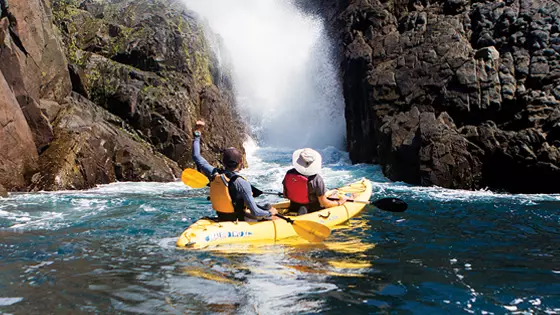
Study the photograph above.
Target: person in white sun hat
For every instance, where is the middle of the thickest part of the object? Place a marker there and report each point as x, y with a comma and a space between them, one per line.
304, 186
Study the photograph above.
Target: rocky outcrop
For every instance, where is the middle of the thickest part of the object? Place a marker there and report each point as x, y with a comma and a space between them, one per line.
93, 147
41, 41
17, 150
33, 63
141, 73
459, 94
149, 63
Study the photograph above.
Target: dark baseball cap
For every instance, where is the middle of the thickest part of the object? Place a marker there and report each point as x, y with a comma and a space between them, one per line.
232, 157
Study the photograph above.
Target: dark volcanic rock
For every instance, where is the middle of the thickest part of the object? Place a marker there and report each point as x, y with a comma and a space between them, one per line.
489, 71
430, 151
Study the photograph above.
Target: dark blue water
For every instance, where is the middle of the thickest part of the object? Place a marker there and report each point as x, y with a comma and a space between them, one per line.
111, 250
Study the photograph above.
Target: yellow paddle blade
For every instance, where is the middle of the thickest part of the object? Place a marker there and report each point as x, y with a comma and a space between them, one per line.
313, 232
193, 178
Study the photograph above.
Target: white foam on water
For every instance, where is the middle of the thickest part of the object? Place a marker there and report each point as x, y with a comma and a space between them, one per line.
535, 302
124, 188
43, 220
148, 208
54, 210
17, 216
168, 242
444, 194
40, 265
510, 308
6, 301
516, 301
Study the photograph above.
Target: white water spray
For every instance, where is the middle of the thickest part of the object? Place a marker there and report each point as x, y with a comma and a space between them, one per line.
287, 86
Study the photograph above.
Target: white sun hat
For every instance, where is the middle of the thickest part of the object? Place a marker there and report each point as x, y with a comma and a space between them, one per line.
307, 161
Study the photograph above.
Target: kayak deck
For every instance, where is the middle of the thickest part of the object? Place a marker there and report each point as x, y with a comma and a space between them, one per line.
207, 232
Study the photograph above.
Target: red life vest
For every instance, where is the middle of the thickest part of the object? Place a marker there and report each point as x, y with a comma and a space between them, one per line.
296, 188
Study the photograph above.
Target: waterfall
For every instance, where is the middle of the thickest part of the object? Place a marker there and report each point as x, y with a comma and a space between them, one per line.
286, 84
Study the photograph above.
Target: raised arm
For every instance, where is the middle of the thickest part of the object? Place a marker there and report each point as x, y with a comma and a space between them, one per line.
200, 162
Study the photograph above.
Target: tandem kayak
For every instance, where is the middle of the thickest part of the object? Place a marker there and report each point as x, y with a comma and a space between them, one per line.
207, 232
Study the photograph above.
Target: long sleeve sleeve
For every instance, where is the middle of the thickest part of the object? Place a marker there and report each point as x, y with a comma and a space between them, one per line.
244, 188
201, 162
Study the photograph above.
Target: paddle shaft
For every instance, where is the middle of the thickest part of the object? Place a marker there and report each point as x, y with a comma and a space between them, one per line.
385, 204
352, 200
284, 218
279, 194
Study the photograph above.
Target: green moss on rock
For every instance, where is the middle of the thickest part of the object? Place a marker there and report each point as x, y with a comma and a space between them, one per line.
149, 63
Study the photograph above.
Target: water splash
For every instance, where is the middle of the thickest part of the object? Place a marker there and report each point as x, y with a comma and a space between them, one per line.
287, 86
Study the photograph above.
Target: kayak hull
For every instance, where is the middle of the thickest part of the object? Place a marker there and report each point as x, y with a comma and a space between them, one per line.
206, 232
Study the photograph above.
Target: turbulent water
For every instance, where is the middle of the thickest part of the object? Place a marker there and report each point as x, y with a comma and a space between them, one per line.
111, 250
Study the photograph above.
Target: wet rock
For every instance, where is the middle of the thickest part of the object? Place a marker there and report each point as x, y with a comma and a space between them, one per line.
79, 79
33, 65
38, 122
93, 147
17, 149
432, 152
50, 109
40, 39
3, 192
488, 70
455, 6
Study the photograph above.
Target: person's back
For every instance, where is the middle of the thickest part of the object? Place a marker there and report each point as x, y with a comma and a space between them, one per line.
303, 191
304, 186
230, 193
225, 197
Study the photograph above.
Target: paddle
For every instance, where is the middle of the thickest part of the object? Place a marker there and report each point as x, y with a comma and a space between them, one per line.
257, 192
194, 178
311, 231
385, 204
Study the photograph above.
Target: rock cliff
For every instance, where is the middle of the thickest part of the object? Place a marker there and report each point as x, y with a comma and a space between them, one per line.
108, 92
453, 93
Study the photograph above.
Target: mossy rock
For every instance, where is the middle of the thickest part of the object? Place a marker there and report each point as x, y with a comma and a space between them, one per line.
149, 63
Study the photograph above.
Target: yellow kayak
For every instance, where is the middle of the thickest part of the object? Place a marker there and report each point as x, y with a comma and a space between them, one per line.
206, 232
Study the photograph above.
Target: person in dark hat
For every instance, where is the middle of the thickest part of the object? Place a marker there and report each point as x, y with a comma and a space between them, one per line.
304, 186
230, 193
